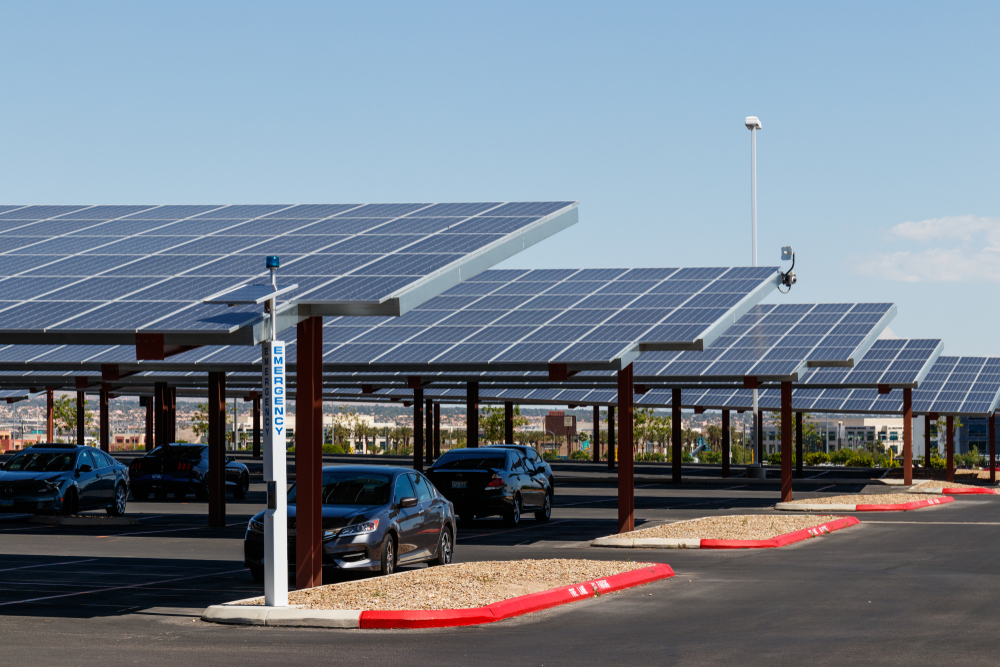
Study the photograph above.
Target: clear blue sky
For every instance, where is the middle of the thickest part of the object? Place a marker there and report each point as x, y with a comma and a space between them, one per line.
878, 159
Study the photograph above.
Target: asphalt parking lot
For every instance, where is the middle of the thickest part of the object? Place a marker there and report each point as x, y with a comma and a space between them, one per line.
901, 588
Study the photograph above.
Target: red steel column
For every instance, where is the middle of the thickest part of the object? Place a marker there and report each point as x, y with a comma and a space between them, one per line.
950, 463
726, 443
160, 413
798, 444
105, 420
786, 442
508, 423
596, 444
81, 417
612, 453
991, 431
437, 431
50, 431
626, 483
171, 396
675, 432
309, 454
216, 447
149, 423
429, 449
907, 437
927, 441
472, 414
418, 429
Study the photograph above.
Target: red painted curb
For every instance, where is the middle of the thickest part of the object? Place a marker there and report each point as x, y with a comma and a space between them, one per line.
903, 507
524, 604
969, 492
782, 540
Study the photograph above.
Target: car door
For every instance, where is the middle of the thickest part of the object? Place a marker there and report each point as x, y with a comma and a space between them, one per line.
86, 480
523, 480
407, 518
104, 478
430, 514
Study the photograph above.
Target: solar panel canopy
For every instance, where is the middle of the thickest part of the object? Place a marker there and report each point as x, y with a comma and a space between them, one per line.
98, 274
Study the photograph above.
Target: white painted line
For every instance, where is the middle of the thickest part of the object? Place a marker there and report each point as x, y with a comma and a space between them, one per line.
68, 562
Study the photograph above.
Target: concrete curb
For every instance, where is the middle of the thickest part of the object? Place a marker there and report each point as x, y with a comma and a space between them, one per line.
958, 492
693, 543
91, 521
897, 507
236, 613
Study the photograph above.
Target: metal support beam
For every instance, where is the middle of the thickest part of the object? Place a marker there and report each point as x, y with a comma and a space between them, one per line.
472, 415
105, 421
418, 428
612, 448
726, 443
949, 465
216, 447
81, 418
309, 455
508, 423
149, 423
799, 416
760, 437
50, 431
927, 441
907, 437
437, 431
429, 449
171, 397
675, 436
786, 442
160, 413
626, 482
256, 427
595, 446
991, 433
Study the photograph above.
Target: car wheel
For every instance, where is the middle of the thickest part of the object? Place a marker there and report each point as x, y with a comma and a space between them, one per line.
140, 494
121, 499
201, 493
179, 494
240, 492
546, 512
388, 565
513, 515
444, 548
257, 572
71, 502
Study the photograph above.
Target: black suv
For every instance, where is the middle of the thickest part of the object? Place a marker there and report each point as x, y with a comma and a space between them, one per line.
180, 469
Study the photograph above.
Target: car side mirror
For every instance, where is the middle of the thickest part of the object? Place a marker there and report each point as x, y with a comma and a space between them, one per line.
408, 502
229, 459
85, 468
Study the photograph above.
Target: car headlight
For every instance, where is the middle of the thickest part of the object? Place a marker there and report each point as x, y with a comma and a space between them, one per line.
255, 526
46, 487
358, 528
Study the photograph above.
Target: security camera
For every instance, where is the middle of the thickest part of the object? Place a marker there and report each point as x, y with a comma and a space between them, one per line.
753, 123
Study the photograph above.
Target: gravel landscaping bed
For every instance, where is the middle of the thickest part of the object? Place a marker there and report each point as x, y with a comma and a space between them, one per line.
867, 499
461, 586
940, 474
935, 484
740, 527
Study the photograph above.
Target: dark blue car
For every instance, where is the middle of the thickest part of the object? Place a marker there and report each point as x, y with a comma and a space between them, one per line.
180, 469
63, 479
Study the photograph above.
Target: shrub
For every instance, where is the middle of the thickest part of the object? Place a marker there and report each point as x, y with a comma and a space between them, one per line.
841, 456
710, 457
687, 458
579, 455
861, 460
649, 456
550, 455
815, 458
332, 449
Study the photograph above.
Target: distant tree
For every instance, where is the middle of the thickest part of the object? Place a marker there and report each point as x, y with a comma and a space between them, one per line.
491, 421
199, 422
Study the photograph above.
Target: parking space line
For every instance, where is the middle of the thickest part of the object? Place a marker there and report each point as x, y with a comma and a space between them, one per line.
119, 588
168, 530
824, 488
28, 567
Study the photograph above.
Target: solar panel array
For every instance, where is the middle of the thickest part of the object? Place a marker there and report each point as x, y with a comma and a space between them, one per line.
777, 341
960, 385
896, 362
114, 268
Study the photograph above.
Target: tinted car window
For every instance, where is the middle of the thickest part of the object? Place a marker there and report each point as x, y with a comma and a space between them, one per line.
186, 452
518, 463
403, 489
85, 460
352, 488
422, 488
100, 460
471, 459
41, 462
533, 455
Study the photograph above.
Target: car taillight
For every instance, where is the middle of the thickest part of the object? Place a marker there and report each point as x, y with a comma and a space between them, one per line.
183, 466
495, 483
134, 465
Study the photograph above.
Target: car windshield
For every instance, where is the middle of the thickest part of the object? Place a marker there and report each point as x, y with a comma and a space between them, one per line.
353, 488
470, 459
41, 462
177, 452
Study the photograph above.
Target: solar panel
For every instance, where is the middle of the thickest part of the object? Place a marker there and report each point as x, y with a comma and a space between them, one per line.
101, 270
896, 363
776, 342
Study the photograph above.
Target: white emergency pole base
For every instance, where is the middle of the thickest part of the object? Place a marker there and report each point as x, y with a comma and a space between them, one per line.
275, 553
276, 516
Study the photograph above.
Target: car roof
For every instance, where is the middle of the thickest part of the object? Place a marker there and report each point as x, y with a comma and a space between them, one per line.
56, 445
506, 445
398, 470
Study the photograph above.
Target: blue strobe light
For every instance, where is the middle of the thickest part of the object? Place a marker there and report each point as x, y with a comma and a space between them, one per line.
272, 261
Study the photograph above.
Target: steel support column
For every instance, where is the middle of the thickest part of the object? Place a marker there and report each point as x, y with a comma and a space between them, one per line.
429, 449
472, 414
508, 423
991, 433
798, 444
171, 397
927, 441
760, 437
216, 447
612, 447
50, 408
726, 443
105, 425
256, 427
309, 455
786, 442
950, 453
675, 436
437, 431
149, 423
160, 414
626, 482
418, 428
81, 417
907, 437
595, 446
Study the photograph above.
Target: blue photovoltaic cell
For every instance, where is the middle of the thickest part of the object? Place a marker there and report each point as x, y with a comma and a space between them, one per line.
774, 341
53, 258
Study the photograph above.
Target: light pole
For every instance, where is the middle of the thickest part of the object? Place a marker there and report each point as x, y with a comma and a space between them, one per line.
753, 124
